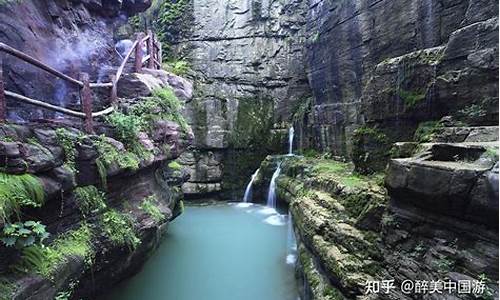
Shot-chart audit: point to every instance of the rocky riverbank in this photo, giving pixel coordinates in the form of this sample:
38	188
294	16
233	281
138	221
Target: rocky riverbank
433	217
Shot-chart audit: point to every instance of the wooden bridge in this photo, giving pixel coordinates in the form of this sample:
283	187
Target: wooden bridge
152	60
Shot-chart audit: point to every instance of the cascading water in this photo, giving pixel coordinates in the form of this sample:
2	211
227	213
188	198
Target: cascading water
248	191
291	133
291	243
271	195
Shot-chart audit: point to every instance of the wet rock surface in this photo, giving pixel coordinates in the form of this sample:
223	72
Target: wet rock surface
351	229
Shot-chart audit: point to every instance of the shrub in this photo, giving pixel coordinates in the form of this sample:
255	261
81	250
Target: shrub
21	235
109	154
426	130
163	105
411	98
45	260
473	114
119	228
90	200
17	191
149	206
127	127
178	67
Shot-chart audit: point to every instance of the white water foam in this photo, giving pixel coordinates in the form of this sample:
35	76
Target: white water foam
276	220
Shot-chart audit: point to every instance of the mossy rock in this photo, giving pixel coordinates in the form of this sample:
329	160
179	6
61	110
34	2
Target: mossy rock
371	150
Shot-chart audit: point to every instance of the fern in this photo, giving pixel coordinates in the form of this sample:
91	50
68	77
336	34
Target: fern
90	200
18	191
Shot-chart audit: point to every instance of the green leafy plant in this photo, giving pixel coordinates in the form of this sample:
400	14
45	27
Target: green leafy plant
127	127
411	98
162	105
7	289
45	260
174	166
90	200
150	207
473	114
23	234
119	228
17	191
68	143
426	130
109	154
178	67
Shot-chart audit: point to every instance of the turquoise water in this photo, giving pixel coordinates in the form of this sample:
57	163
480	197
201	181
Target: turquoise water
217	253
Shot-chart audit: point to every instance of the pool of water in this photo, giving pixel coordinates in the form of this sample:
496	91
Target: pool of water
216	253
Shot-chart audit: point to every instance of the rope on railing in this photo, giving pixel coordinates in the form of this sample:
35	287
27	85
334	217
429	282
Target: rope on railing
153	58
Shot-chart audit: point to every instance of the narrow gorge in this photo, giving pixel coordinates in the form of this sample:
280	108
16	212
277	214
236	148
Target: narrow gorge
249	149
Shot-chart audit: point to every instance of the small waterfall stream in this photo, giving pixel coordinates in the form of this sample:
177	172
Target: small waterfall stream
291	243
291	133
248	191
271	195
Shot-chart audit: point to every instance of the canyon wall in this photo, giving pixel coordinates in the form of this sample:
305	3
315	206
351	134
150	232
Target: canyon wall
364	65
329	67
247	59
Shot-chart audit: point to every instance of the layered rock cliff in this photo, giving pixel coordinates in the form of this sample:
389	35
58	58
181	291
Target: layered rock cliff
247	61
328	67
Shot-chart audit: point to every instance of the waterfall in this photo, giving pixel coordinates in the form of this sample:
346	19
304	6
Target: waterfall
271	195
291	243
248	191
291	132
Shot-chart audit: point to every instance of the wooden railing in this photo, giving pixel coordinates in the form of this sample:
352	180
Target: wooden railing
151	60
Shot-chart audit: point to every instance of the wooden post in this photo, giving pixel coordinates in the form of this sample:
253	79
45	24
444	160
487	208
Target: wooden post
3	104
86	97
114	89
151	50
138	54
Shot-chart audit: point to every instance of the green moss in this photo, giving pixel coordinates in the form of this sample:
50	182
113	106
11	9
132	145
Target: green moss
474	113
178	67
119	228
90	200
150	207
45	260
174	166
68	143
165	17
253	123
109	154
162	105
7	289
426	130
18	191
311	153
411	98
370	151
126	127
